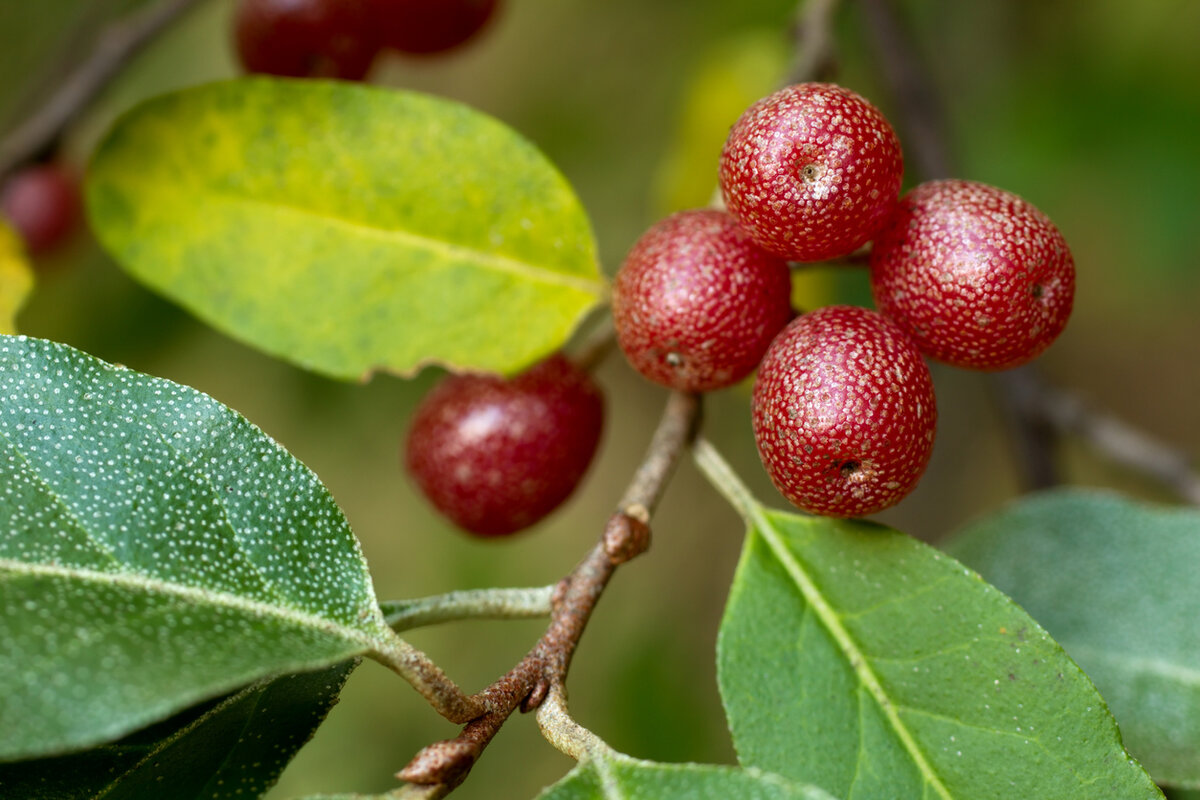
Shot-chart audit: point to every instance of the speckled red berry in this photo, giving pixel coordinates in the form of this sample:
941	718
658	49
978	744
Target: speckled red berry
697	302
42	204
977	276
811	171
496	455
306	38
844	412
429	26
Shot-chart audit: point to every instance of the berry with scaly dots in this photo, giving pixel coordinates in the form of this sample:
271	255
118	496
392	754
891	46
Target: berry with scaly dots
697	302
425	27
42	204
844	412
977	276
496	455
306	38
811	171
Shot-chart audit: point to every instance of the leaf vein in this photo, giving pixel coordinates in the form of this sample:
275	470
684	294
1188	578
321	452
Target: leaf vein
68	511
854	653
492	261
136	582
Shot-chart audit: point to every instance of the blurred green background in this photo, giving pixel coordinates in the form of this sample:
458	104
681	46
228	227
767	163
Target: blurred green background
1088	108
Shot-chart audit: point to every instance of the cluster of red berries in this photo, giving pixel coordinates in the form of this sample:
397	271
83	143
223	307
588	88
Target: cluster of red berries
843	405
341	38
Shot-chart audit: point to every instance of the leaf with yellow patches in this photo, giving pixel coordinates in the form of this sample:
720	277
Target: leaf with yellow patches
16	278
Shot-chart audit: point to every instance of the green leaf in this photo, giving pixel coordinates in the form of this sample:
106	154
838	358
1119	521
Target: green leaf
231	749
617	777
16	278
156	549
1115	582
347	228
874	666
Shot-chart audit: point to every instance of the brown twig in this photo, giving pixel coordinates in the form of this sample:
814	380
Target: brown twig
113	47
923	119
443	765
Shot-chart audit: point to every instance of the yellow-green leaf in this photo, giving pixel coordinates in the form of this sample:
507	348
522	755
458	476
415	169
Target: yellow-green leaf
347	228
16	278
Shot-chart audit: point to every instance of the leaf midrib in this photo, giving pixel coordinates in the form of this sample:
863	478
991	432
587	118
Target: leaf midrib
145	422
849	647
492	261
9	567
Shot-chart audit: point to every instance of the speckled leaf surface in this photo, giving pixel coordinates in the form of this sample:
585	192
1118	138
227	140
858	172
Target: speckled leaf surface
347	228
876	667
16	278
1115	582
231	749
156	549
618	777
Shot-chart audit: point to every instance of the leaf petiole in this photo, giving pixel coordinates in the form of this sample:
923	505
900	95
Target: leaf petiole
418	612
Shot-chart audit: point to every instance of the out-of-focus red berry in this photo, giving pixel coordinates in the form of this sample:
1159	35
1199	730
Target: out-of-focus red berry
429	26
42	204
306	38
496	455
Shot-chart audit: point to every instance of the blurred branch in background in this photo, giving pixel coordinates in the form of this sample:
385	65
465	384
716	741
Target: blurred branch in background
1037	413
112	49
815	57
1124	444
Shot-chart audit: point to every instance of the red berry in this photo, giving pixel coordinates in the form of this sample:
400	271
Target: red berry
844	412
306	38
696	302
811	171
496	455
42	204
430	26
977	276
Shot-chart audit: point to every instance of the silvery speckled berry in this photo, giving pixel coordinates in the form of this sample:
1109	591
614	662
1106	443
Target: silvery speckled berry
811	171
696	302
844	412
977	276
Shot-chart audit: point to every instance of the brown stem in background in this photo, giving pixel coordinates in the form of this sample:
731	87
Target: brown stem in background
923	120
815	48
113	48
441	766
1037	413
596	346
1121	442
